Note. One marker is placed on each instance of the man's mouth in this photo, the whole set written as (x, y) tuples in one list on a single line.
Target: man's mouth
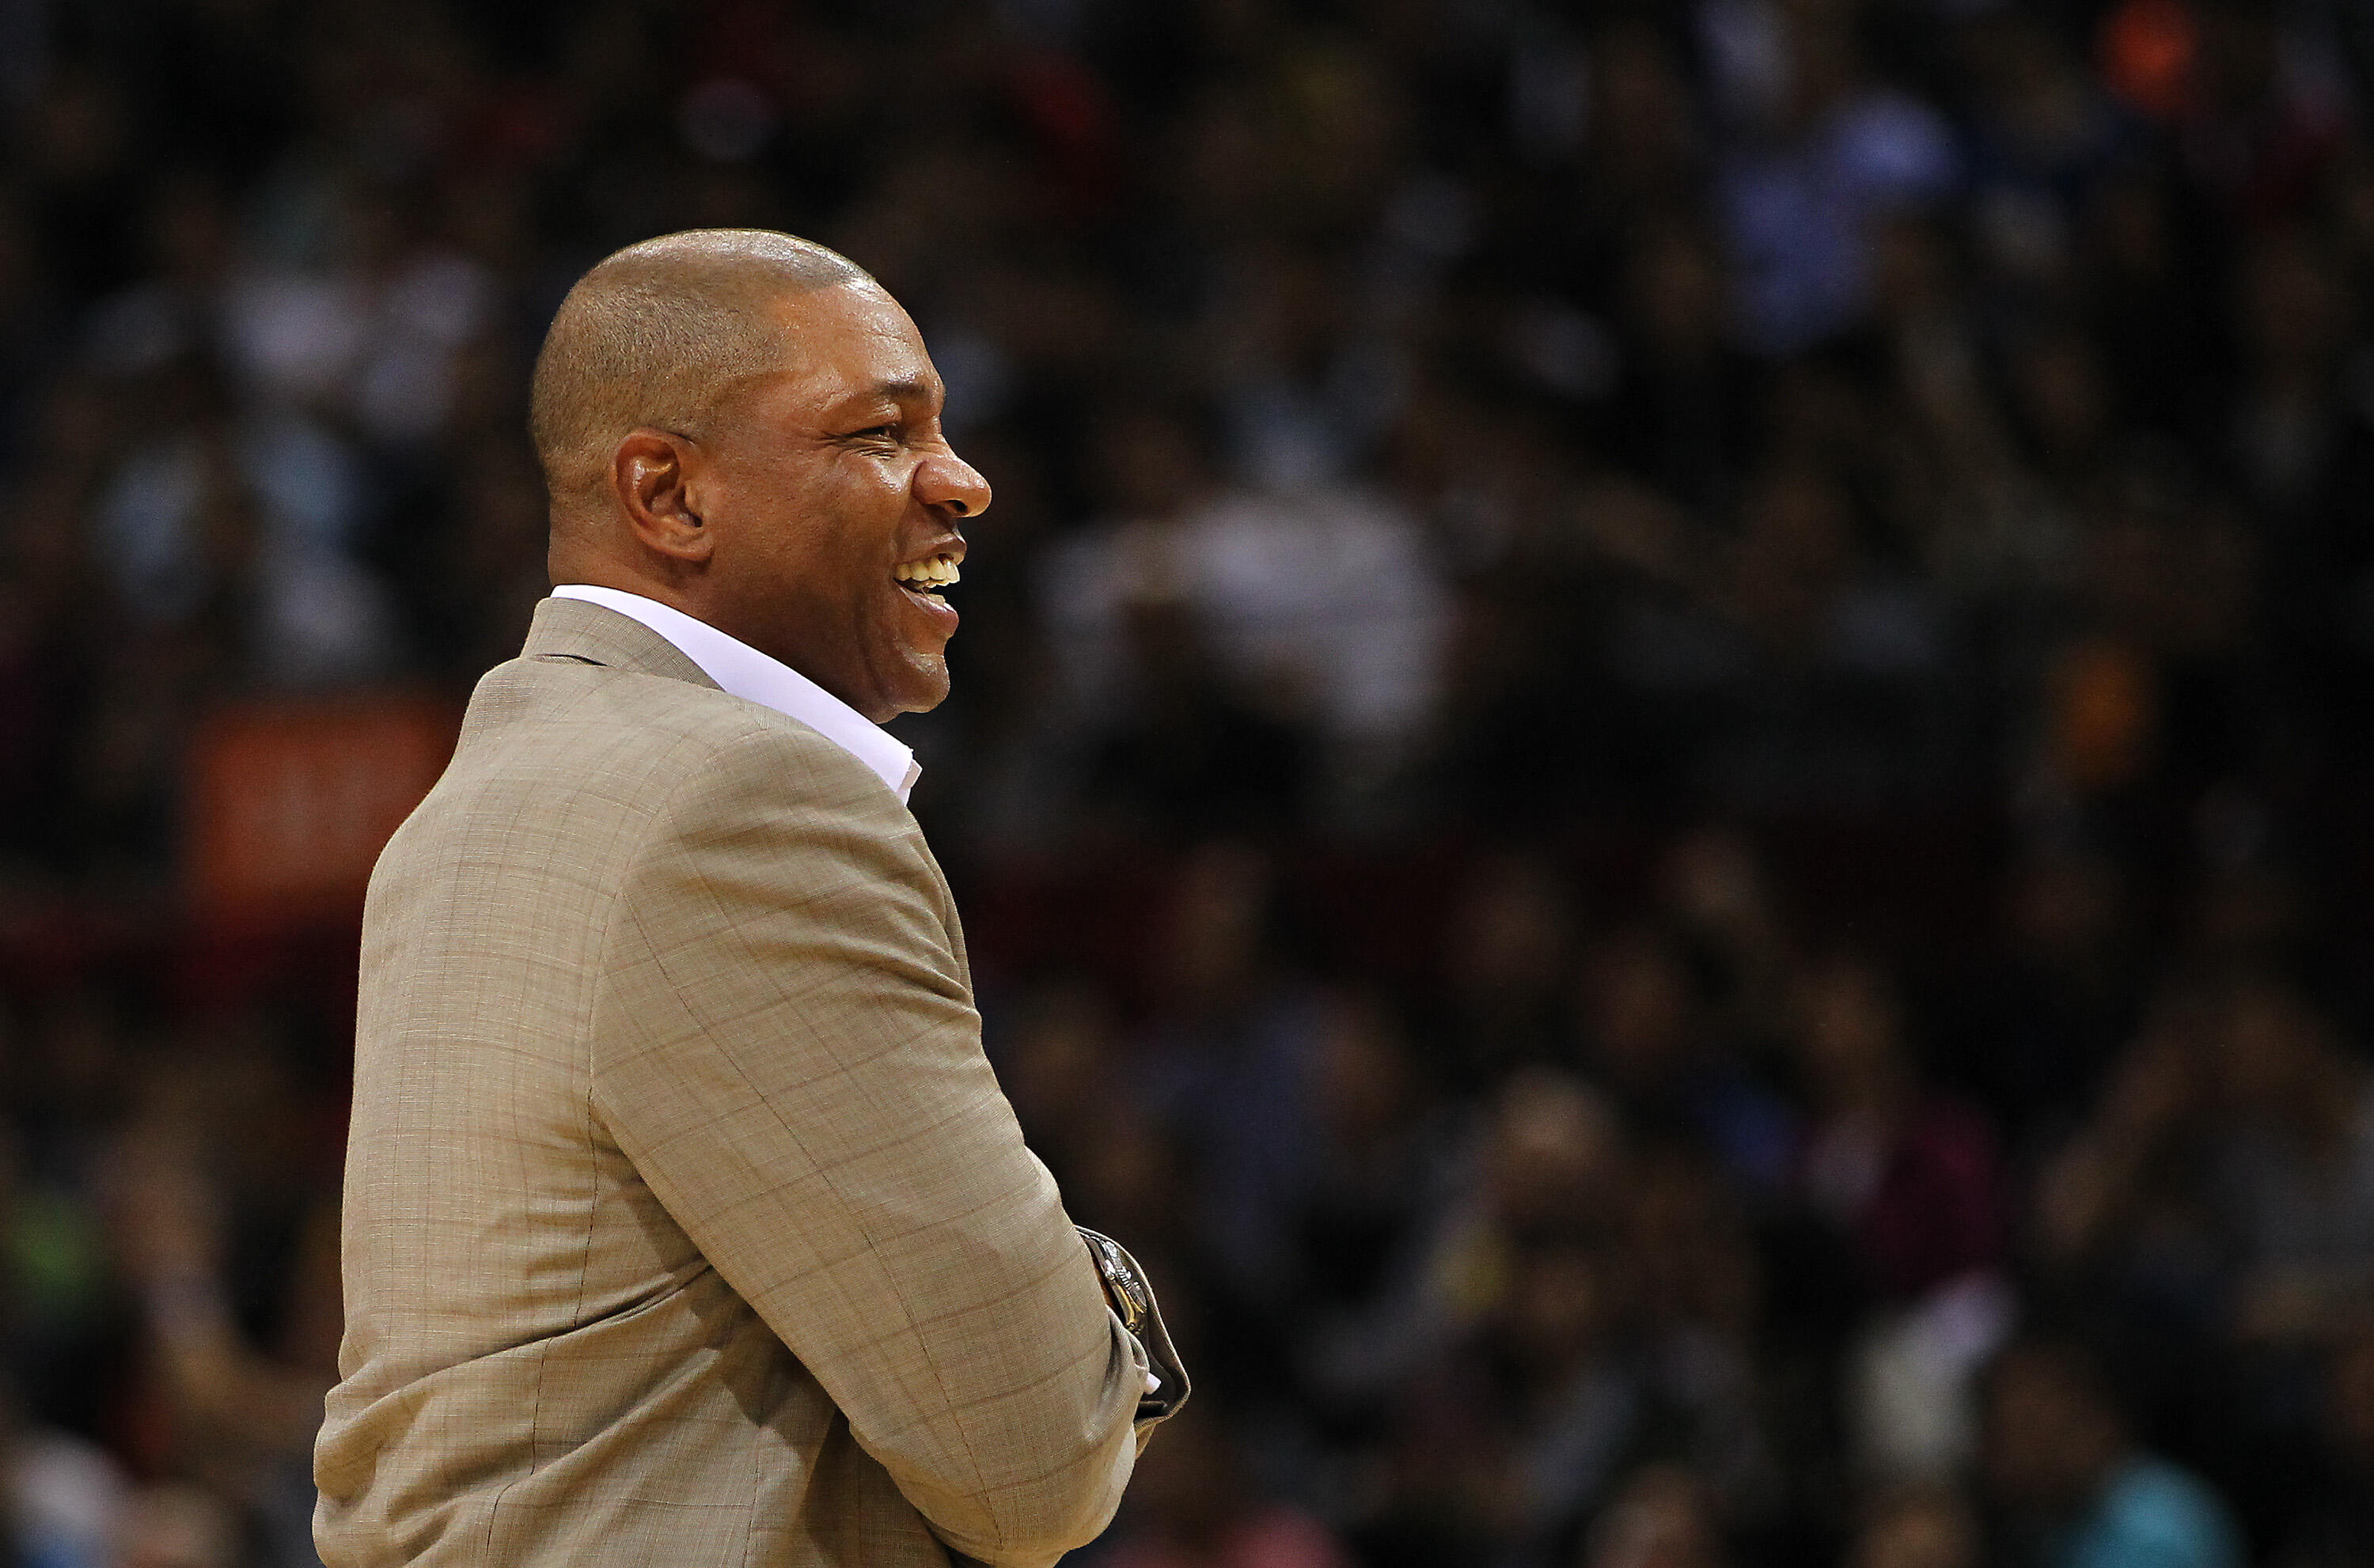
[(926, 578)]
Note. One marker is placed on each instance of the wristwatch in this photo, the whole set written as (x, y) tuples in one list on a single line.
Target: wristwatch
[(1132, 1300)]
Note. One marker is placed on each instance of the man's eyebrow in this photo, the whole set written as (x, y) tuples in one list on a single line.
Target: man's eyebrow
[(899, 389)]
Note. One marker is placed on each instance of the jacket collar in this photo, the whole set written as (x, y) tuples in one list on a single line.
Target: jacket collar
[(644, 635), (573, 628)]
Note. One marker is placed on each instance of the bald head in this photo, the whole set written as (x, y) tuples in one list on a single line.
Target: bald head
[(661, 335)]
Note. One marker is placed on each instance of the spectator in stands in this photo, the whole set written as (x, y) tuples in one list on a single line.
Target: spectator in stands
[(1512, 945), (1546, 1405), (1647, 1035), (2293, 1162), (2131, 1172), (2079, 1491), (2222, 1187), (1662, 1518), (1918, 1527), (1548, 1158), (1911, 1175), (1164, 735), (2063, 999), (178, 1525), (1226, 1065), (1910, 1179), (1384, 1170), (1837, 698), (1318, 605), (1718, 893), (62, 1497), (1820, 155), (2045, 134), (230, 1248)]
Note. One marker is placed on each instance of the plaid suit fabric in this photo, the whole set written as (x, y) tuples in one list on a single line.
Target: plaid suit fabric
[(685, 1223)]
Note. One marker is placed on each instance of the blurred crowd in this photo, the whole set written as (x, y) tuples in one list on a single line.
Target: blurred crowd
[(1663, 752)]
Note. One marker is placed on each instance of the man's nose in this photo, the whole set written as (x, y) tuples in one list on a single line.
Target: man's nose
[(947, 480)]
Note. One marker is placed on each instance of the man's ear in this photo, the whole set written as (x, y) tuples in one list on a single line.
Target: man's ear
[(652, 475)]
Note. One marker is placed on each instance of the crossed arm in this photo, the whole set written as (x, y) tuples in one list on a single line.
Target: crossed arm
[(786, 1046)]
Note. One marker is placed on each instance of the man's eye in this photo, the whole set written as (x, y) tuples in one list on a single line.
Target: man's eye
[(879, 433)]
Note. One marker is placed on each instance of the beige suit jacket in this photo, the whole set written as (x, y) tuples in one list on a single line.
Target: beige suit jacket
[(685, 1223)]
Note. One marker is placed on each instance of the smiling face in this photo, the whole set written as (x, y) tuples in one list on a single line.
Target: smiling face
[(831, 498)]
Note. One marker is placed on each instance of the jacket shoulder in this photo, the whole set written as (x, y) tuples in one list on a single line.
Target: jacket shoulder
[(587, 718), (562, 758)]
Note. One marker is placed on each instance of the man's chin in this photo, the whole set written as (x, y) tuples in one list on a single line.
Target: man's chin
[(922, 686)]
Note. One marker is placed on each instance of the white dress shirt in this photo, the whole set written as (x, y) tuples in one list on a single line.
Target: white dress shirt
[(747, 674)]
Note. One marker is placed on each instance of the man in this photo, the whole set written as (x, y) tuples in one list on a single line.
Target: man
[(685, 1223)]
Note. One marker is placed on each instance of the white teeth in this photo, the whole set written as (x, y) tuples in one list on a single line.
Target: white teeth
[(939, 571)]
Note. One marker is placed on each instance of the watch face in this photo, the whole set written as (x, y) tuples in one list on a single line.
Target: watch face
[(1122, 1277)]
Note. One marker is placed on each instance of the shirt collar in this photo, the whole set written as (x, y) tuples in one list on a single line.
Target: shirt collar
[(745, 673)]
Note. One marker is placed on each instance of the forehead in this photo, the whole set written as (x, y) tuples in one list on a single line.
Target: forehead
[(850, 341)]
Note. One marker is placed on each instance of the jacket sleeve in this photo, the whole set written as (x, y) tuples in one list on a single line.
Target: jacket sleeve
[(785, 1046)]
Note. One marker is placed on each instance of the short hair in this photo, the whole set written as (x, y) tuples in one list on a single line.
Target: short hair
[(661, 334)]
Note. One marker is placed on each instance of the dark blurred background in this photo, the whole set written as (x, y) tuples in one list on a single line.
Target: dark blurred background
[(1662, 753)]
